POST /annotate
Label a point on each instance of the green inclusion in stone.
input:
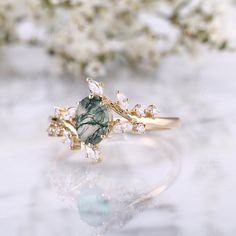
(92, 120)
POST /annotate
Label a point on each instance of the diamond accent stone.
(140, 128)
(122, 100)
(55, 128)
(51, 131)
(117, 129)
(92, 153)
(70, 113)
(138, 110)
(58, 131)
(152, 111)
(95, 87)
(58, 112)
(122, 127)
(67, 138)
(127, 126)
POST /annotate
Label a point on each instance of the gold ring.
(96, 117)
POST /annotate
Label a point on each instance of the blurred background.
(178, 54)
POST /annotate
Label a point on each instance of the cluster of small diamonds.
(137, 111)
(150, 112)
(57, 128)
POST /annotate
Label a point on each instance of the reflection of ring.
(106, 202)
(92, 120)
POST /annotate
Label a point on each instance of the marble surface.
(201, 201)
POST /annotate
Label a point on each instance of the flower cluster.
(90, 36)
(10, 14)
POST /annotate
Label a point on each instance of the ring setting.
(96, 117)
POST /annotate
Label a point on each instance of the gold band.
(160, 123)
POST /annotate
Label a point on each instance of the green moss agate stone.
(92, 120)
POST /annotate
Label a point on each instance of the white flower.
(90, 35)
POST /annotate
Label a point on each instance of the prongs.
(88, 79)
(58, 112)
(91, 95)
(102, 84)
(114, 123)
(138, 111)
(152, 111)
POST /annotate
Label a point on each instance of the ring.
(96, 117)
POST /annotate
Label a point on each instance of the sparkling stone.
(57, 112)
(127, 127)
(122, 127)
(51, 131)
(153, 111)
(140, 128)
(92, 120)
(117, 129)
(70, 113)
(138, 110)
(92, 153)
(94, 206)
(122, 100)
(95, 87)
(67, 138)
(58, 131)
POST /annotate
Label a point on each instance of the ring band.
(96, 117)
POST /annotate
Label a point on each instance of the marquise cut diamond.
(92, 153)
(122, 100)
(95, 87)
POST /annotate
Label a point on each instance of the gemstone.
(152, 111)
(70, 113)
(92, 118)
(51, 131)
(67, 138)
(140, 128)
(95, 87)
(126, 126)
(117, 129)
(122, 127)
(57, 112)
(122, 100)
(138, 110)
(58, 131)
(93, 153)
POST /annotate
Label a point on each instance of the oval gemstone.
(92, 120)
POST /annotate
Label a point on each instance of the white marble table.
(202, 92)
